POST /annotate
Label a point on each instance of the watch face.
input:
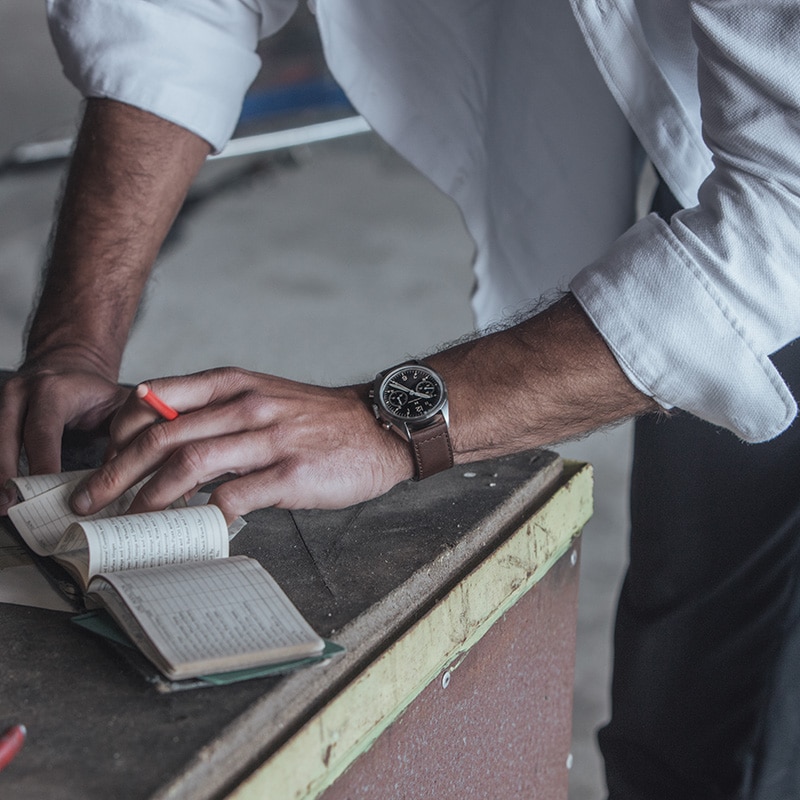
(412, 393)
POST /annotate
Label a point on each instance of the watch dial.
(411, 393)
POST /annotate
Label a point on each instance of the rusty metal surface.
(499, 725)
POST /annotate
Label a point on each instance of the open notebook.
(168, 581)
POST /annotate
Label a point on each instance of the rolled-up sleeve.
(693, 309)
(188, 62)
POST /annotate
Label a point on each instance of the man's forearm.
(128, 178)
(293, 445)
(545, 380)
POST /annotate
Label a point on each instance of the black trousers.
(706, 686)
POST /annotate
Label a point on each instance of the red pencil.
(155, 402)
(11, 743)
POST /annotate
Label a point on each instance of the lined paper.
(216, 616)
(31, 485)
(42, 520)
(148, 540)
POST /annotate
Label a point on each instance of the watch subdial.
(426, 389)
(396, 400)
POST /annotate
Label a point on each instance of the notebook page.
(30, 485)
(42, 520)
(150, 539)
(223, 614)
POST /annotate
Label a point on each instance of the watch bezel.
(440, 405)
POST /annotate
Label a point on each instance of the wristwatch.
(411, 400)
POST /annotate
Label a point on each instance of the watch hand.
(409, 391)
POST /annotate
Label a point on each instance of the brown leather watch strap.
(431, 448)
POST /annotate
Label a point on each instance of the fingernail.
(80, 501)
(7, 498)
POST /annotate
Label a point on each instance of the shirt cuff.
(677, 340)
(179, 67)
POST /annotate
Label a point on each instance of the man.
(496, 102)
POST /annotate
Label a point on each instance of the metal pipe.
(60, 149)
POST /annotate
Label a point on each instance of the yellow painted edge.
(348, 726)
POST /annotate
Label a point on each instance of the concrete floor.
(291, 272)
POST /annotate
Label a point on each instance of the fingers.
(56, 402)
(33, 413)
(285, 443)
(42, 439)
(43, 428)
(193, 450)
(291, 483)
(12, 415)
(270, 487)
(133, 418)
(332, 477)
(184, 393)
(198, 463)
(147, 395)
(35, 408)
(26, 417)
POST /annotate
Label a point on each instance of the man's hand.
(39, 402)
(284, 443)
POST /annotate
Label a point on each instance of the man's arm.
(128, 177)
(546, 380)
(298, 446)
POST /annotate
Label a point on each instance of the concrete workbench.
(456, 600)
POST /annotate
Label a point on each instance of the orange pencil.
(155, 402)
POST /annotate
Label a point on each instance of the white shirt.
(501, 104)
